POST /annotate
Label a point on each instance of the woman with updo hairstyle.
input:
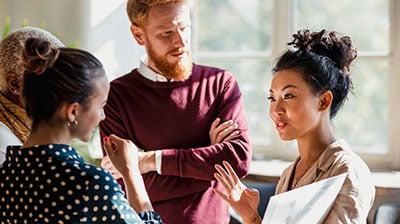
(311, 83)
(45, 180)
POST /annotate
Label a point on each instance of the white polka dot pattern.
(53, 184)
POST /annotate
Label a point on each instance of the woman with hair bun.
(45, 180)
(310, 84)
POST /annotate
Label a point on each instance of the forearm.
(136, 191)
(198, 163)
(147, 162)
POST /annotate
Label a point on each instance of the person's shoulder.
(209, 69)
(204, 71)
(346, 158)
(125, 77)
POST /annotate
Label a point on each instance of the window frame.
(283, 27)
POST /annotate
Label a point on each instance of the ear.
(325, 100)
(138, 34)
(14, 83)
(71, 111)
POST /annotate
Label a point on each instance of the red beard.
(178, 71)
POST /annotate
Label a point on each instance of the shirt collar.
(327, 158)
(149, 73)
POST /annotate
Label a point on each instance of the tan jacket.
(357, 194)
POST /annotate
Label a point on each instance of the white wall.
(99, 26)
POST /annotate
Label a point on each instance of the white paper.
(307, 204)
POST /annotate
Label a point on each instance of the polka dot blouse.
(53, 184)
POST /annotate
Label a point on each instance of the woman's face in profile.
(294, 108)
(91, 116)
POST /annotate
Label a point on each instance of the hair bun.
(39, 55)
(333, 45)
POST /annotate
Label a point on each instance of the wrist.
(147, 162)
(253, 219)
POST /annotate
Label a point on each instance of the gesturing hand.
(241, 199)
(107, 164)
(122, 153)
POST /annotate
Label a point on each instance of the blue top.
(53, 184)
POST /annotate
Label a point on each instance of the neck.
(47, 134)
(311, 146)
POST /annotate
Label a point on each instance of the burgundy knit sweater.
(176, 117)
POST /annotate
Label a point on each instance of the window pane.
(364, 119)
(367, 21)
(234, 25)
(254, 78)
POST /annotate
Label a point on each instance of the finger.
(228, 130)
(231, 172)
(215, 123)
(225, 125)
(213, 132)
(107, 145)
(231, 136)
(115, 140)
(223, 174)
(105, 162)
(223, 182)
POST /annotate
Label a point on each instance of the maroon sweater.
(176, 117)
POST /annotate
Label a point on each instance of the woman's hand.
(124, 156)
(108, 165)
(223, 132)
(240, 198)
(122, 153)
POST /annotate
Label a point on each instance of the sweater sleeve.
(198, 163)
(151, 123)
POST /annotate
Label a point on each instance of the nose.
(276, 109)
(179, 38)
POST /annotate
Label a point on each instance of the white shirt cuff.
(158, 161)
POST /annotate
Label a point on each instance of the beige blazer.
(357, 194)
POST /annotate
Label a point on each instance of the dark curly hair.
(323, 58)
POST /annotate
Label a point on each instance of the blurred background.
(245, 37)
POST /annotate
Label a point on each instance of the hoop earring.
(73, 124)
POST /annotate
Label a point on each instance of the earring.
(73, 124)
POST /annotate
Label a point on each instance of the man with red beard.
(185, 117)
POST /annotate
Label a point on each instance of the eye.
(271, 99)
(166, 33)
(288, 96)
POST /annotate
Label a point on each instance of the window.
(245, 37)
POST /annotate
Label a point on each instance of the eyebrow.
(285, 88)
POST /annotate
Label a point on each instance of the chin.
(286, 138)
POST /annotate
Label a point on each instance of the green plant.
(25, 22)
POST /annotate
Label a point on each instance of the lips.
(280, 125)
(178, 52)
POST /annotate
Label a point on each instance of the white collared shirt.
(150, 74)
(7, 137)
